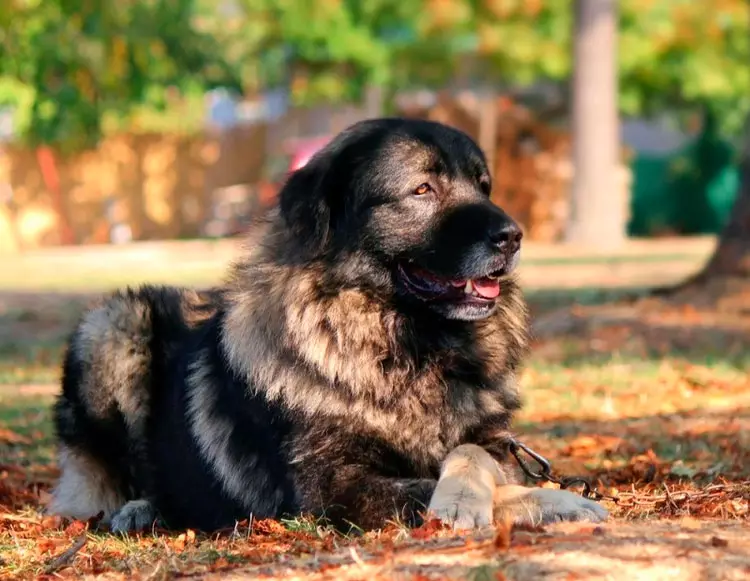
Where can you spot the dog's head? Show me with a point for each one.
(408, 202)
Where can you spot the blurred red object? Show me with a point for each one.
(303, 149)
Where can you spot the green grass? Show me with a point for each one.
(30, 418)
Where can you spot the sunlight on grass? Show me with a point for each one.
(27, 427)
(85, 278)
(630, 387)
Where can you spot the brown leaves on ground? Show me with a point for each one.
(429, 529)
(652, 403)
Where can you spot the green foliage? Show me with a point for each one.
(87, 58)
(328, 50)
(81, 62)
(683, 53)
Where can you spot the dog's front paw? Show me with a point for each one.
(461, 506)
(135, 515)
(463, 497)
(538, 506)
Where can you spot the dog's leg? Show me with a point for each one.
(474, 490)
(356, 497)
(373, 501)
(465, 492)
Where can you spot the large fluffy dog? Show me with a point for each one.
(372, 330)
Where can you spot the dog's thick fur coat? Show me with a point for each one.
(320, 378)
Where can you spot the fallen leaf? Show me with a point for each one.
(681, 471)
(428, 529)
(269, 527)
(53, 522)
(75, 528)
(10, 437)
(49, 545)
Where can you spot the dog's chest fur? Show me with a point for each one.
(350, 359)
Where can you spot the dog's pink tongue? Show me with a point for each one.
(487, 287)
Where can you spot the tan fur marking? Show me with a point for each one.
(196, 308)
(113, 343)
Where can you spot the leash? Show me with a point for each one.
(545, 472)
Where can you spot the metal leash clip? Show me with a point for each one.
(545, 472)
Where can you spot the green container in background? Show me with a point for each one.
(687, 191)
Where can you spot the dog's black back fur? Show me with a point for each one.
(314, 379)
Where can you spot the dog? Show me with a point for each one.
(357, 364)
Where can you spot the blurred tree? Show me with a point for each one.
(93, 59)
(672, 54)
(332, 49)
(597, 210)
(328, 50)
(86, 59)
(726, 274)
(685, 55)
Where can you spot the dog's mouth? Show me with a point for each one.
(431, 287)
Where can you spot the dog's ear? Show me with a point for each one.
(305, 203)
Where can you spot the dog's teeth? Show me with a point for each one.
(469, 288)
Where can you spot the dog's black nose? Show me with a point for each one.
(507, 237)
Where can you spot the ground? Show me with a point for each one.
(649, 399)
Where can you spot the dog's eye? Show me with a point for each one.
(423, 189)
(486, 187)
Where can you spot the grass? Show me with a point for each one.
(654, 411)
(597, 260)
(106, 277)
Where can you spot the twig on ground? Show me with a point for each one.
(674, 498)
(64, 558)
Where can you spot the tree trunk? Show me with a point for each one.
(727, 271)
(597, 209)
(732, 255)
